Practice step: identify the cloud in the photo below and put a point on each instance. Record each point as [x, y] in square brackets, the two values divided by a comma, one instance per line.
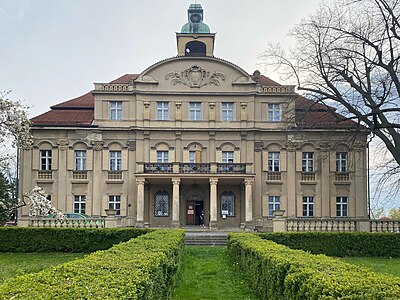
[13, 9]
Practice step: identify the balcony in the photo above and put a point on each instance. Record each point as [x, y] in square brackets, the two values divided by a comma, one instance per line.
[231, 168]
[79, 175]
[194, 168]
[158, 168]
[45, 174]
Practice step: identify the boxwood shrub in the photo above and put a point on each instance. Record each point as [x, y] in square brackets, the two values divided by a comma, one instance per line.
[278, 272]
[340, 243]
[142, 268]
[31, 239]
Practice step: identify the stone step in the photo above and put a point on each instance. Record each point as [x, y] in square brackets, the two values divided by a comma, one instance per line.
[206, 238]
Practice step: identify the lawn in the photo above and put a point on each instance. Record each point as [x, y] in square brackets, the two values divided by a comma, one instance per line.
[377, 264]
[208, 273]
[13, 264]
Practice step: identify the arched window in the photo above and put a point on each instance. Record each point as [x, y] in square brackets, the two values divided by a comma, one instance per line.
[161, 204]
[195, 48]
[228, 204]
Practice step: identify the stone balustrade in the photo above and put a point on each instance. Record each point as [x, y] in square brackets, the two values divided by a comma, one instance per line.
[67, 223]
[385, 226]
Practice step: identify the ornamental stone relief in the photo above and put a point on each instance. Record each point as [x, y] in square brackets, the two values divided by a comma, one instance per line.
[258, 146]
[195, 77]
[62, 144]
[131, 144]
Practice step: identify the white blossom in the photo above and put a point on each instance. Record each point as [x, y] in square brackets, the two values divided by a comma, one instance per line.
[40, 205]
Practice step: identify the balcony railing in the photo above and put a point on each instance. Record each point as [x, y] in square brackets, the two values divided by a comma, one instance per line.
[194, 168]
[342, 177]
[231, 168]
[307, 176]
[274, 176]
[158, 168]
[114, 175]
[45, 174]
[79, 175]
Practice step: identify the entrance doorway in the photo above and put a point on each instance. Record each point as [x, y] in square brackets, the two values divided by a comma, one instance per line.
[193, 212]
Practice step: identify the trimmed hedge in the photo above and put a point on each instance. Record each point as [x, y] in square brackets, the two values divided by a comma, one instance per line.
[340, 244]
[278, 272]
[142, 268]
[31, 239]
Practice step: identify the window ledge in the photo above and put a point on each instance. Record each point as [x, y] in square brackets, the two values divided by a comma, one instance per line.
[44, 180]
[114, 181]
[84, 181]
[274, 182]
[342, 182]
[308, 182]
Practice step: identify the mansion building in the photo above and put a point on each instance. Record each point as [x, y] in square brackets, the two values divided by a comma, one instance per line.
[197, 133]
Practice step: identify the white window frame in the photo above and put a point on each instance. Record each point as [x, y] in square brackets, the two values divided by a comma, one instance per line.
[342, 206]
[227, 111]
[115, 162]
[162, 110]
[342, 159]
[116, 110]
[274, 161]
[45, 160]
[307, 162]
[274, 203]
[228, 157]
[114, 202]
[308, 206]
[195, 111]
[162, 156]
[274, 112]
[80, 204]
[80, 160]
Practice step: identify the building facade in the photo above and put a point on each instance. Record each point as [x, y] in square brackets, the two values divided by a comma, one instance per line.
[197, 133]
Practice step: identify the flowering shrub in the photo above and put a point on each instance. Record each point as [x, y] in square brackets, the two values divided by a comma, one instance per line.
[40, 205]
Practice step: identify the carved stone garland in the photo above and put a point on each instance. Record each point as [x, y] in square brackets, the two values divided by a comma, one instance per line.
[195, 77]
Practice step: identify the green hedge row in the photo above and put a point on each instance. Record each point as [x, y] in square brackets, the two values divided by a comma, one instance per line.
[30, 239]
[340, 243]
[278, 272]
[142, 268]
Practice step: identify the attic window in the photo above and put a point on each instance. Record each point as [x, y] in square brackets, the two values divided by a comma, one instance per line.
[195, 48]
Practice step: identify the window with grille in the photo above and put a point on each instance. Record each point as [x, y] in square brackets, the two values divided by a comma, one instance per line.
[341, 161]
[227, 157]
[162, 110]
[274, 203]
[114, 202]
[116, 110]
[341, 206]
[115, 160]
[308, 206]
[195, 111]
[161, 204]
[228, 204]
[80, 160]
[307, 162]
[80, 204]
[274, 112]
[273, 161]
[45, 160]
[227, 111]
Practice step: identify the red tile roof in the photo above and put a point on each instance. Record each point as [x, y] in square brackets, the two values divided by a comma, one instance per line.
[64, 117]
[81, 102]
[127, 78]
[264, 80]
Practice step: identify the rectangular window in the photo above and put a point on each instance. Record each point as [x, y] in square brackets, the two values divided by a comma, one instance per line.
[308, 206]
[341, 206]
[162, 110]
[274, 203]
[307, 162]
[80, 160]
[274, 112]
[114, 202]
[227, 157]
[195, 111]
[115, 160]
[273, 161]
[162, 156]
[80, 204]
[192, 157]
[341, 161]
[227, 111]
[45, 160]
[116, 110]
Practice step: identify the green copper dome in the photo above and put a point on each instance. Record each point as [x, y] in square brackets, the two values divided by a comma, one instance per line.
[195, 18]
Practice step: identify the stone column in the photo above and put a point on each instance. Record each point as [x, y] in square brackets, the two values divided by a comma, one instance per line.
[175, 202]
[249, 200]
[140, 202]
[213, 202]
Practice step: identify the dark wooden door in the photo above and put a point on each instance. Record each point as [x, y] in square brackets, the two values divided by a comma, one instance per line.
[190, 213]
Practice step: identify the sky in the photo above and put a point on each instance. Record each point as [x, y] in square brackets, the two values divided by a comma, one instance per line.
[54, 50]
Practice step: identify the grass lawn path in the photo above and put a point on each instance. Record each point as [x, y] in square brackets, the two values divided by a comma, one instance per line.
[377, 264]
[208, 273]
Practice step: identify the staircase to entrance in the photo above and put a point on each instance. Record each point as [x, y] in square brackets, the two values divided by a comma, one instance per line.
[206, 238]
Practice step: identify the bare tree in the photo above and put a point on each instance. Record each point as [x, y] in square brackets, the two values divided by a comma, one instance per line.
[347, 55]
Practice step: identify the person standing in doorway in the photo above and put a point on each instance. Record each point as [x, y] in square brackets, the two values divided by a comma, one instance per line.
[202, 219]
